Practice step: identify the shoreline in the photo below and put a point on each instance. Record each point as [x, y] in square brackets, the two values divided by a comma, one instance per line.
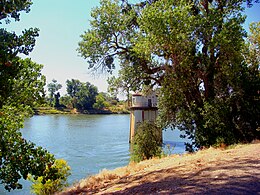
[51, 110]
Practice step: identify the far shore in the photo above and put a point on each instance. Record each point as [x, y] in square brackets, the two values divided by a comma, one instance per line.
[52, 110]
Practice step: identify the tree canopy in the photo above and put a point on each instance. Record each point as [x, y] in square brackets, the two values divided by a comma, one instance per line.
[194, 51]
[83, 94]
[12, 9]
[21, 88]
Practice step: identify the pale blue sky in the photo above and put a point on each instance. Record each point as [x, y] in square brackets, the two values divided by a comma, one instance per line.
[61, 22]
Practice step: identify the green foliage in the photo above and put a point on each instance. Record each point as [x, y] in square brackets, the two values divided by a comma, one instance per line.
[113, 86]
[101, 102]
[66, 100]
[195, 52]
[95, 45]
[146, 143]
[86, 96]
[73, 87]
[54, 96]
[125, 82]
[252, 53]
[12, 44]
[11, 9]
[44, 185]
[18, 157]
[50, 110]
[83, 94]
[119, 109]
[21, 88]
[255, 35]
[105, 101]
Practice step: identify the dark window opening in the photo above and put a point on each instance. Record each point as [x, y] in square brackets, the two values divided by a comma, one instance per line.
[149, 103]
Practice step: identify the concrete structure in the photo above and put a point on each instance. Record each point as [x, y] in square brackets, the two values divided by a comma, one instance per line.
[144, 108]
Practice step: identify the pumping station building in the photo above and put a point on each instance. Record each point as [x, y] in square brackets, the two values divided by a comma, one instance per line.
[143, 108]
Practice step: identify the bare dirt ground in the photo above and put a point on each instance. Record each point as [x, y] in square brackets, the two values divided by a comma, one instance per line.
[210, 171]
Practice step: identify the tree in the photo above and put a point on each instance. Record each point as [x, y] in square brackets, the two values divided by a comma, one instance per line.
[19, 157]
[83, 94]
[21, 88]
[66, 101]
[192, 51]
[86, 97]
[115, 38]
[73, 87]
[54, 96]
[101, 101]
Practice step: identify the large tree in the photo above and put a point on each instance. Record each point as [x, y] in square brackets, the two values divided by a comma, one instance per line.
[21, 87]
[192, 50]
[83, 95]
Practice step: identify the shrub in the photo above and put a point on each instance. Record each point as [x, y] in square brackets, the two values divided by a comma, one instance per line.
[44, 185]
[146, 143]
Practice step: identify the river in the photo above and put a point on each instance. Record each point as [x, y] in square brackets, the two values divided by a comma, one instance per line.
[89, 143]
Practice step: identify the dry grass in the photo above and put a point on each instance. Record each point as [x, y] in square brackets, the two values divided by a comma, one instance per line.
[215, 170]
[102, 180]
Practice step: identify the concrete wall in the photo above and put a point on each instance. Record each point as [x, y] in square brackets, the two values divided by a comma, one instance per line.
[139, 116]
[144, 101]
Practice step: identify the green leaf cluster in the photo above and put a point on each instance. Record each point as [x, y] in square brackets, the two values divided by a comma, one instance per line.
[45, 185]
[12, 9]
[18, 157]
[82, 95]
[146, 143]
[101, 102]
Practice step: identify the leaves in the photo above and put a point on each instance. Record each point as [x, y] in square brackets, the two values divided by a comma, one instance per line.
[83, 94]
[12, 44]
[195, 52]
[11, 9]
[46, 185]
[146, 143]
[18, 156]
[54, 95]
[21, 88]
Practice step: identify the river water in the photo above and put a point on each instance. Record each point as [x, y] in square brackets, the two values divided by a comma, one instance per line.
[89, 143]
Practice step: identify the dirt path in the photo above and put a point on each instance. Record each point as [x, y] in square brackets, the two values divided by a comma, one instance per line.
[211, 171]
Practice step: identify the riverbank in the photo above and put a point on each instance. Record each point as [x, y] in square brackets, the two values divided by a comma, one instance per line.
[52, 110]
[209, 171]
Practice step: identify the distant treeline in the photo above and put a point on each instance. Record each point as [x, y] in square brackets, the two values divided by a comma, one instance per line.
[82, 96]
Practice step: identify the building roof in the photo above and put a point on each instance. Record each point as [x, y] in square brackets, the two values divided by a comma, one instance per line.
[137, 94]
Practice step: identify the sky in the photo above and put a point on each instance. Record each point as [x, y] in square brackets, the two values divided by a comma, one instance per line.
[61, 22]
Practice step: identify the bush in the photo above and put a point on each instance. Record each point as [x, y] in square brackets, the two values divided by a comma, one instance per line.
[45, 186]
[146, 143]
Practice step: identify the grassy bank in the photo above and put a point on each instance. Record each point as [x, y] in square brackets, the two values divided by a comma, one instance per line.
[52, 110]
[233, 170]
